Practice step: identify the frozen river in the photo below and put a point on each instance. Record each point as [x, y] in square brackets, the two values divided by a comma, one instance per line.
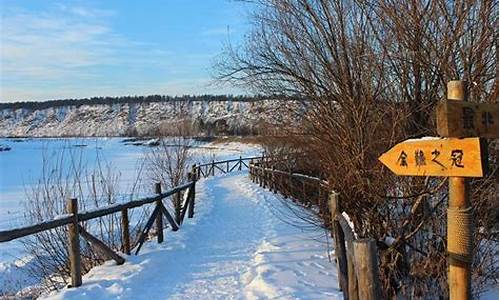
[30, 160]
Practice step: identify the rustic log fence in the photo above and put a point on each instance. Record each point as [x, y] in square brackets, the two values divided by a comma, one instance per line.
[73, 217]
[357, 263]
[220, 167]
[356, 259]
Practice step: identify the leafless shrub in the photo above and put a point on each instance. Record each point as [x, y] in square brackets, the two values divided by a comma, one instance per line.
[65, 175]
[168, 163]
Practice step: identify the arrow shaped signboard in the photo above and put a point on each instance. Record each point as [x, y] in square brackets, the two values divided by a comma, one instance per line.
[435, 157]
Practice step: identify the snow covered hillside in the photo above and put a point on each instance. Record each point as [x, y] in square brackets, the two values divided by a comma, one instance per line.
[233, 117]
[235, 247]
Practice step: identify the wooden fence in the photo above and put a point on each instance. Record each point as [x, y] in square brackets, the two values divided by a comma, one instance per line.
[220, 167]
[356, 258]
[73, 217]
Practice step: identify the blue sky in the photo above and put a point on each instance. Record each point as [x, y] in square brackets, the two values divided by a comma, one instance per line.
[76, 49]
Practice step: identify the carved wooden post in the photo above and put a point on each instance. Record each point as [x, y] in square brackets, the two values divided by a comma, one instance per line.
[365, 255]
[340, 250]
[159, 216]
[460, 222]
[125, 232]
[74, 244]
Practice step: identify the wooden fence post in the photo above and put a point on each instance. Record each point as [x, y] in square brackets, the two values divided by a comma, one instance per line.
[74, 244]
[191, 202]
[159, 216]
[304, 195]
[194, 173]
[320, 202]
[213, 167]
[340, 250]
[264, 177]
[365, 256]
[125, 232]
[240, 162]
[250, 170]
[273, 179]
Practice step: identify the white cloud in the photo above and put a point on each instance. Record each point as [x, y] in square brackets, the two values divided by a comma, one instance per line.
[49, 46]
[74, 52]
[63, 46]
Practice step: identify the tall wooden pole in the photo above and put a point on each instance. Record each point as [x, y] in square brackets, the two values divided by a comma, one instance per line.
[459, 222]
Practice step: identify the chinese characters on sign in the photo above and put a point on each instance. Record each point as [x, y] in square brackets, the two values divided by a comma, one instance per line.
[463, 119]
[456, 157]
[436, 157]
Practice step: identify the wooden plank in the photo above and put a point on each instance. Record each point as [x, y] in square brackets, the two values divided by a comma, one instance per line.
[146, 229]
[436, 157]
[466, 119]
[84, 216]
[103, 248]
[12, 234]
[74, 244]
[165, 212]
[220, 169]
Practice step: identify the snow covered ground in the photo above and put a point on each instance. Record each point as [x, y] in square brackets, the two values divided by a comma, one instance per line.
[21, 168]
[234, 248]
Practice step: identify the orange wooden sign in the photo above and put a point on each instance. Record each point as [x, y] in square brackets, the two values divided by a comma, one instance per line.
[466, 119]
[435, 157]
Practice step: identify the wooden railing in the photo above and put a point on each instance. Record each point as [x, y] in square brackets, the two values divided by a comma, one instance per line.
[73, 217]
[220, 167]
[356, 258]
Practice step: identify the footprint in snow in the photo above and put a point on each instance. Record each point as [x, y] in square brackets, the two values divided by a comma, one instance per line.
[306, 283]
[299, 273]
[320, 266]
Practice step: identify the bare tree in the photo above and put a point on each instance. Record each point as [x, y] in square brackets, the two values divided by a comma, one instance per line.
[371, 73]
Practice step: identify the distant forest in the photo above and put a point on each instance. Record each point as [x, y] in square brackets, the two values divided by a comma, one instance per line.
[33, 105]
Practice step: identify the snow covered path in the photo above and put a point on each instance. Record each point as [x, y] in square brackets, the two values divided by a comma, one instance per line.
[233, 248]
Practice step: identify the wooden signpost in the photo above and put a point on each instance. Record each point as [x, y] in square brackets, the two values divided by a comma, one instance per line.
[435, 157]
[457, 159]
